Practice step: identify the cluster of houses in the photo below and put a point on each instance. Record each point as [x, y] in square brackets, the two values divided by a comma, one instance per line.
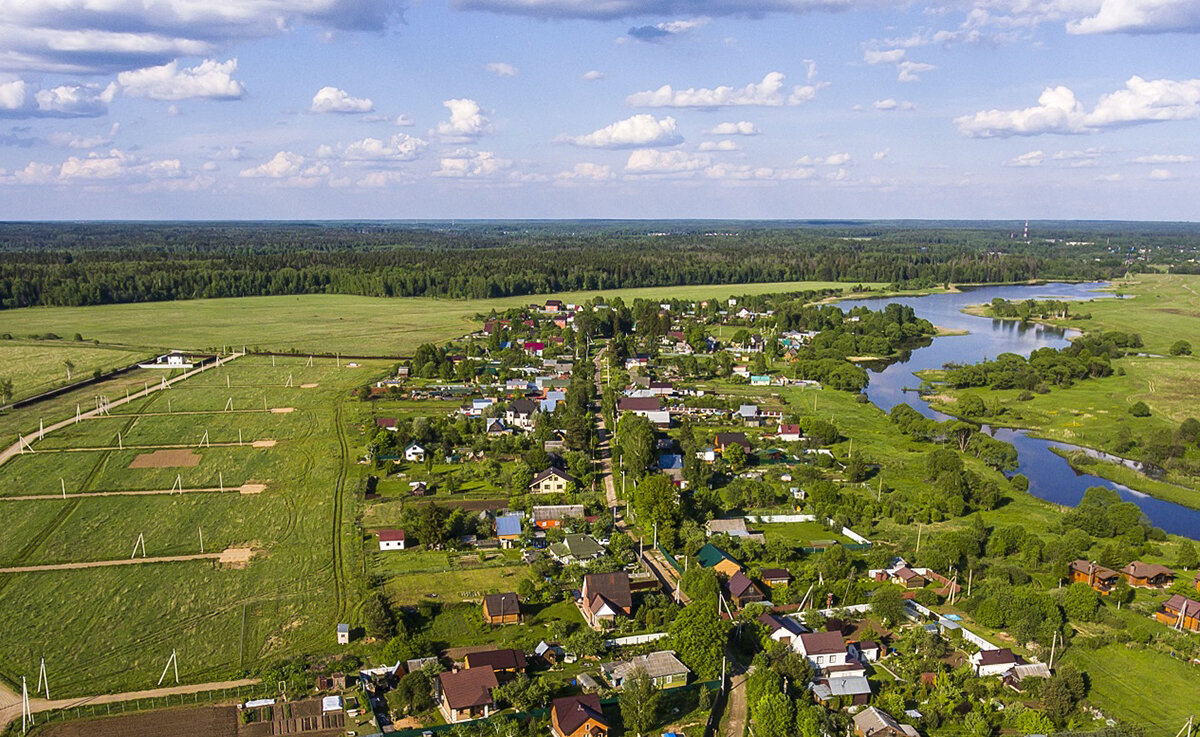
[1178, 611]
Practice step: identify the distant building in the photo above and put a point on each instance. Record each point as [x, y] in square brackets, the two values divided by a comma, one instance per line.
[502, 608]
[605, 597]
[343, 634]
[663, 667]
[1148, 575]
[553, 515]
[414, 453]
[391, 539]
[578, 716]
[466, 694]
[552, 481]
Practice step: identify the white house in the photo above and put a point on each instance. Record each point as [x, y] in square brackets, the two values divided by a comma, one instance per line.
[343, 634]
[391, 539]
[414, 453]
[826, 651]
[993, 662]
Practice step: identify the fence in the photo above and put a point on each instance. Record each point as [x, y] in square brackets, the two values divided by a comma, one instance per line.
[240, 694]
[635, 639]
[860, 543]
[670, 559]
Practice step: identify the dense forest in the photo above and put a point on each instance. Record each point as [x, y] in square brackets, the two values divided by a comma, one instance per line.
[101, 263]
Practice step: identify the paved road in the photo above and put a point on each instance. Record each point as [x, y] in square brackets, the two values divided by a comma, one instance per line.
[15, 448]
[10, 702]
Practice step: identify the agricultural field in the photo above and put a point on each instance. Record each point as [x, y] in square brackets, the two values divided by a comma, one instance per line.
[324, 323]
[287, 497]
[36, 366]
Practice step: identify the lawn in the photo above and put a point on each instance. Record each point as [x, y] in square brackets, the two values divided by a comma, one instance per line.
[1123, 678]
[112, 629]
[800, 533]
[323, 323]
[39, 365]
[410, 576]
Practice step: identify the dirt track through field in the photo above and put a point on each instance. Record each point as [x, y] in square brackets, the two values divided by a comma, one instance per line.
[15, 448]
[234, 557]
[167, 459]
[247, 488]
[127, 415]
[264, 443]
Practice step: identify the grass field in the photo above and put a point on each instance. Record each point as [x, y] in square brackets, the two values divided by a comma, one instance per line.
[324, 323]
[1123, 679]
[36, 366]
[112, 629]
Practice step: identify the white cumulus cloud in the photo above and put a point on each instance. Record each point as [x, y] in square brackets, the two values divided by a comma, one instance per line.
[654, 161]
[1058, 110]
[769, 92]
[211, 79]
[467, 122]
[835, 159]
[722, 145]
[740, 128]
[586, 171]
[1161, 175]
[468, 164]
[593, 75]
[1139, 16]
[892, 104]
[1032, 158]
[639, 130]
[1164, 159]
[400, 147]
[19, 99]
[335, 100]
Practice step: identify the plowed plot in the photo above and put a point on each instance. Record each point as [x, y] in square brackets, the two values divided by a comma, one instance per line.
[302, 717]
[180, 458]
[208, 721]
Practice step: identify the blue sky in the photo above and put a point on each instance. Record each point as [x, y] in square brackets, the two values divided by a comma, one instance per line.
[290, 109]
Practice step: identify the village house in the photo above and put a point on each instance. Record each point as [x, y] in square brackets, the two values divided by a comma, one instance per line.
[641, 406]
[466, 694]
[775, 577]
[552, 481]
[908, 578]
[735, 527]
[873, 722]
[551, 516]
[576, 549]
[1180, 612]
[508, 529]
[386, 423]
[606, 596]
[1148, 575]
[508, 661]
[502, 608]
[1097, 576]
[993, 662]
[789, 434]
[390, 539]
[743, 591]
[414, 453]
[343, 634]
[520, 413]
[781, 629]
[496, 426]
[726, 439]
[710, 556]
[664, 669]
[578, 716]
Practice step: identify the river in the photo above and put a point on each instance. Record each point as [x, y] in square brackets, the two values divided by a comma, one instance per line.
[1050, 476]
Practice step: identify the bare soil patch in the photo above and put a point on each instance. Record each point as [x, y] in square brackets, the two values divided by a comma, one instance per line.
[205, 721]
[249, 488]
[309, 386]
[236, 557]
[282, 410]
[263, 444]
[180, 458]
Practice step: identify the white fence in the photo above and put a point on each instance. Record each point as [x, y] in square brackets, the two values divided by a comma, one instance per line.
[634, 639]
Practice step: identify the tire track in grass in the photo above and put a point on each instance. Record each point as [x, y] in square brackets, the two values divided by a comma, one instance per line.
[339, 574]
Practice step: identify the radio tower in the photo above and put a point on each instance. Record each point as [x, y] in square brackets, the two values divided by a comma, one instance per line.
[1026, 230]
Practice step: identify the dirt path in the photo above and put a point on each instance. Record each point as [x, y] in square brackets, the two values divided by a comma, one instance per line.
[243, 489]
[735, 709]
[230, 556]
[15, 448]
[10, 702]
[168, 446]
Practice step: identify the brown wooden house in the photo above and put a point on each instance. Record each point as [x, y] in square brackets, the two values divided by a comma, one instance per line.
[1180, 612]
[1093, 574]
[502, 608]
[1148, 575]
[466, 694]
[506, 661]
[606, 596]
[578, 716]
[743, 591]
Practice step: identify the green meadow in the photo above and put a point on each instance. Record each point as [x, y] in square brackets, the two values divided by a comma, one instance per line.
[321, 323]
[35, 366]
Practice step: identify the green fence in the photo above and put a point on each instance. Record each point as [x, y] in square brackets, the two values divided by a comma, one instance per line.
[670, 559]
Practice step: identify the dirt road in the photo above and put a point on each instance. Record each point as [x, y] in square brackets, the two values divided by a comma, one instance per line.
[736, 711]
[229, 556]
[15, 448]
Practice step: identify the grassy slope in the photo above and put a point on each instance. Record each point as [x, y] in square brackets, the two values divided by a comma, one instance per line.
[1123, 681]
[325, 323]
[113, 628]
[37, 366]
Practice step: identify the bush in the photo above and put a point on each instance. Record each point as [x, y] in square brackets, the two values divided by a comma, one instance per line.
[1025, 396]
[1139, 409]
[1020, 482]
[1181, 348]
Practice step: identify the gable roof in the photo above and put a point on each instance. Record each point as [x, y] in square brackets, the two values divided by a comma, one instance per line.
[822, 643]
[557, 511]
[730, 438]
[611, 586]
[508, 524]
[552, 471]
[1179, 602]
[468, 688]
[1138, 569]
[386, 422]
[775, 623]
[503, 605]
[728, 526]
[522, 406]
[740, 583]
[657, 665]
[390, 536]
[578, 546]
[710, 555]
[872, 720]
[496, 659]
[775, 574]
[572, 712]
[1003, 656]
[1087, 568]
[639, 404]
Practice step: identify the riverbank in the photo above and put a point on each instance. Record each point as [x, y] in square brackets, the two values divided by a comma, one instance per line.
[1083, 463]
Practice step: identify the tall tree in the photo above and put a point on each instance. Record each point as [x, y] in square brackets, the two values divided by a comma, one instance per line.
[639, 703]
